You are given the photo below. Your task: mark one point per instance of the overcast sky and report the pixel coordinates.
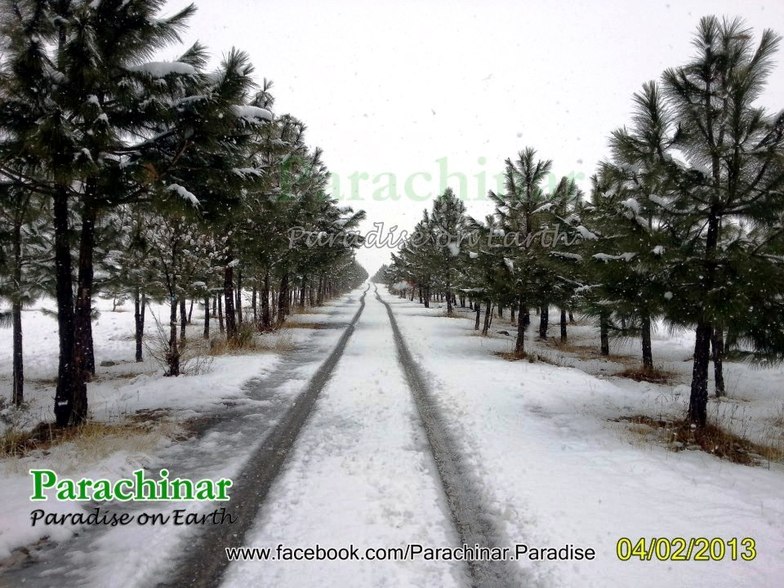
(400, 95)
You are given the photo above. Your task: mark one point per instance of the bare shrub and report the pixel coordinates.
(193, 355)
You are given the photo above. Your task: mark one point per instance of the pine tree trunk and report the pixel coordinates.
(571, 317)
(17, 395)
(83, 353)
(190, 312)
(512, 313)
(228, 302)
(221, 326)
(604, 333)
(426, 295)
(563, 325)
(173, 356)
(544, 320)
(83, 356)
(283, 298)
(488, 317)
(449, 295)
(266, 319)
(647, 350)
(64, 395)
(698, 401)
(206, 334)
(302, 292)
(717, 349)
(320, 296)
(18, 386)
(254, 302)
(520, 342)
(478, 310)
(239, 296)
(183, 320)
(139, 302)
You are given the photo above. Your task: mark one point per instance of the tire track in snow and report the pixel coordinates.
(362, 474)
(205, 563)
(466, 503)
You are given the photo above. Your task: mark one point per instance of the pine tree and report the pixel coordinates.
(22, 253)
(729, 180)
(563, 234)
(519, 209)
(71, 101)
(631, 259)
(448, 225)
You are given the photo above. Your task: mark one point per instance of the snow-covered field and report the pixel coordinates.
(556, 470)
(124, 387)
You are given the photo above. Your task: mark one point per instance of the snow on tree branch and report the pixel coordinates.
(184, 194)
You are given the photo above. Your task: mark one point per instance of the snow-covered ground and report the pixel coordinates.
(753, 407)
(121, 386)
(553, 465)
(117, 394)
(556, 470)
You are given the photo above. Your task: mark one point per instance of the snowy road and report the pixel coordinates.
(467, 505)
(363, 473)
